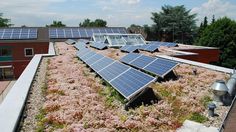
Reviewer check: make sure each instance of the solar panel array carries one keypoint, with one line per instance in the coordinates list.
(83, 32)
(98, 45)
(166, 44)
(86, 41)
(129, 48)
(70, 41)
(125, 79)
(80, 45)
(18, 33)
(150, 47)
(157, 66)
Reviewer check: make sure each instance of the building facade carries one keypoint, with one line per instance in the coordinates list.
(16, 54)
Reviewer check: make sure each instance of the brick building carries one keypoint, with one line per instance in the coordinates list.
(18, 46)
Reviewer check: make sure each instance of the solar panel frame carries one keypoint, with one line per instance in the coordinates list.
(112, 71)
(98, 45)
(94, 59)
(116, 83)
(164, 70)
(101, 64)
(158, 66)
(18, 33)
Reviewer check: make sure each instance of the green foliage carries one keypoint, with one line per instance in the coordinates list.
(4, 22)
(213, 19)
(197, 117)
(56, 24)
(97, 23)
(205, 22)
(221, 34)
(41, 120)
(205, 100)
(175, 20)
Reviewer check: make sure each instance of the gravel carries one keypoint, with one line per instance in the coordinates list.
(35, 99)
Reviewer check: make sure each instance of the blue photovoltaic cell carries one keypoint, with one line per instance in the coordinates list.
(103, 30)
(75, 33)
(94, 59)
(130, 57)
(82, 52)
(84, 41)
(87, 56)
(152, 48)
(113, 71)
(80, 45)
(123, 31)
(116, 30)
(161, 67)
(18, 33)
(131, 82)
(126, 80)
(98, 45)
(89, 32)
(157, 66)
(129, 48)
(100, 64)
(142, 61)
(96, 30)
(68, 33)
(108, 30)
(83, 34)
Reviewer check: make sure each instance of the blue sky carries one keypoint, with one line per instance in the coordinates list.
(115, 12)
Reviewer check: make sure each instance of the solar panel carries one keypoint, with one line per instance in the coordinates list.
(100, 64)
(161, 67)
(157, 66)
(131, 82)
(129, 48)
(80, 45)
(125, 79)
(86, 41)
(142, 61)
(150, 47)
(81, 32)
(94, 59)
(98, 45)
(70, 41)
(112, 71)
(130, 57)
(87, 55)
(18, 33)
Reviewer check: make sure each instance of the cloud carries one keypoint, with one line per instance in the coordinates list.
(131, 2)
(219, 8)
(42, 12)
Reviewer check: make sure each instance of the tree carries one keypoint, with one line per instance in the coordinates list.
(205, 23)
(213, 19)
(221, 34)
(4, 22)
(137, 29)
(175, 22)
(97, 23)
(56, 24)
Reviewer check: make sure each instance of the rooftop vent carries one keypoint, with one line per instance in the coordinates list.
(219, 89)
(231, 84)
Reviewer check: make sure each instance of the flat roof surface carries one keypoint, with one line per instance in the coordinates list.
(75, 90)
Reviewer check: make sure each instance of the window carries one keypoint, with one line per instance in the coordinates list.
(5, 52)
(29, 52)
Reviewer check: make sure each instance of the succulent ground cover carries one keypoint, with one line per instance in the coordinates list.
(78, 100)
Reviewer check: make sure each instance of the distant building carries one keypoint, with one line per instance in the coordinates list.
(18, 46)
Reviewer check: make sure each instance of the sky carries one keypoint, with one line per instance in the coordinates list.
(120, 13)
